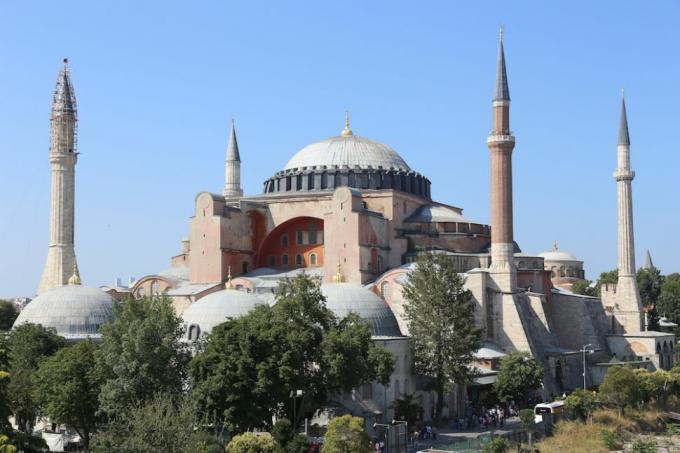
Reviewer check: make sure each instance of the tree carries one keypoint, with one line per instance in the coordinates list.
(141, 354)
(610, 277)
(581, 403)
(526, 416)
(583, 287)
(620, 387)
(407, 409)
(346, 434)
(519, 375)
(649, 283)
(440, 316)
(67, 387)
(28, 346)
(164, 423)
(248, 367)
(8, 314)
(253, 443)
(669, 298)
(497, 445)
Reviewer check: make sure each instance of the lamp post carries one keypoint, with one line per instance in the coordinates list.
(405, 423)
(387, 434)
(585, 349)
(294, 395)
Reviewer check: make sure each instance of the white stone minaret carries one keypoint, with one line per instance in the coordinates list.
(628, 308)
(232, 177)
(61, 257)
(501, 143)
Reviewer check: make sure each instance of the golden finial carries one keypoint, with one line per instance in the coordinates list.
(338, 277)
(75, 278)
(554, 245)
(229, 285)
(346, 131)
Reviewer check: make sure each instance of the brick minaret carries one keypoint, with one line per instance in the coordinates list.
(501, 142)
(628, 308)
(61, 257)
(232, 180)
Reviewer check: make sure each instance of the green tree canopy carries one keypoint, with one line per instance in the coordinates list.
(584, 288)
(253, 443)
(67, 387)
(28, 346)
(519, 376)
(141, 354)
(8, 314)
(581, 403)
(440, 315)
(669, 298)
(621, 387)
(163, 423)
(249, 366)
(346, 434)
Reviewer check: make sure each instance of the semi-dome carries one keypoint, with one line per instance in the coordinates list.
(343, 298)
(556, 254)
(347, 150)
(203, 315)
(74, 311)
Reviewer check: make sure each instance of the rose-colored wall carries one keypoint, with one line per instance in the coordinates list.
(272, 245)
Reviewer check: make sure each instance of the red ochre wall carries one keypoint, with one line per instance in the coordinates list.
(272, 245)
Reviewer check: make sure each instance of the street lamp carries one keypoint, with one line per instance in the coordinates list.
(405, 423)
(387, 433)
(583, 351)
(294, 394)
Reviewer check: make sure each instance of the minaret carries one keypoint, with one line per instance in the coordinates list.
(649, 264)
(61, 257)
(501, 142)
(232, 180)
(628, 308)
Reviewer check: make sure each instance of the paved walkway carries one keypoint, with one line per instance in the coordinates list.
(465, 439)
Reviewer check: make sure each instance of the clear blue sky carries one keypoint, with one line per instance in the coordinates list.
(157, 83)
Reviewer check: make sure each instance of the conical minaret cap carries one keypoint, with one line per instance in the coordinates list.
(64, 99)
(624, 138)
(232, 148)
(649, 264)
(501, 92)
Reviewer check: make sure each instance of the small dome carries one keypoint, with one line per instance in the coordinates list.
(215, 309)
(343, 298)
(74, 311)
(350, 150)
(556, 254)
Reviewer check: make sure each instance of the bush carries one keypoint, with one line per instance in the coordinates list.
(253, 443)
(640, 446)
(497, 445)
(580, 403)
(611, 440)
(346, 434)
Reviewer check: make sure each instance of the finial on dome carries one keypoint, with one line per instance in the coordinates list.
(346, 131)
(555, 245)
(229, 284)
(75, 278)
(338, 277)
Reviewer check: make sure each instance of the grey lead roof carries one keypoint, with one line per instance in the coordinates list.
(64, 100)
(502, 92)
(232, 148)
(624, 138)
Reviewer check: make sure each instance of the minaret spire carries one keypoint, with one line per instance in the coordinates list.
(61, 257)
(501, 143)
(628, 309)
(232, 183)
(649, 264)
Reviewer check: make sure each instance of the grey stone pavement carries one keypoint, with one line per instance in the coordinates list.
(448, 438)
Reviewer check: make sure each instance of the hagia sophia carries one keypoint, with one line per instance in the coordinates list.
(354, 213)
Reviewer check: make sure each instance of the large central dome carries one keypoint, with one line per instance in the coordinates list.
(348, 150)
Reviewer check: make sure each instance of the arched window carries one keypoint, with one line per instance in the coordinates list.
(141, 292)
(244, 267)
(272, 261)
(284, 259)
(312, 259)
(407, 387)
(406, 370)
(312, 234)
(300, 237)
(367, 391)
(298, 260)
(155, 288)
(194, 332)
(522, 265)
(397, 389)
(284, 240)
(385, 290)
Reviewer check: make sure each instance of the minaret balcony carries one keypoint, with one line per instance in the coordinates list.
(623, 174)
(499, 137)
